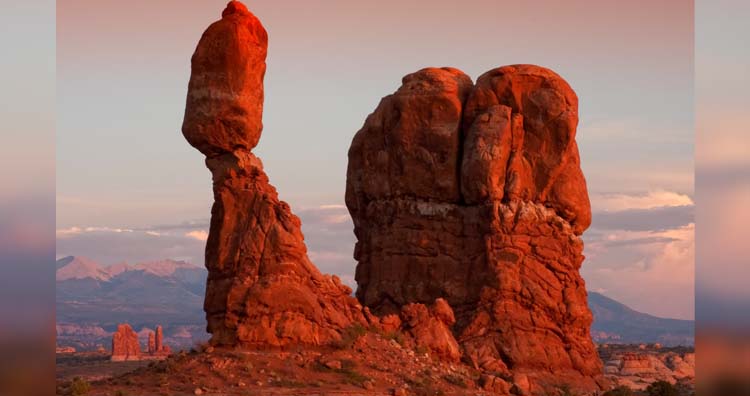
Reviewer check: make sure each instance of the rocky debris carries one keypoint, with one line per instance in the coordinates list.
(494, 384)
(333, 364)
(431, 328)
(371, 365)
(262, 289)
(474, 194)
(636, 367)
(125, 344)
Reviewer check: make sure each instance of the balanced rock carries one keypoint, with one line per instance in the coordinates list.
(474, 194)
(225, 95)
(125, 344)
(262, 289)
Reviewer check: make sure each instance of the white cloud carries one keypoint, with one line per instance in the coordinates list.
(336, 219)
(332, 206)
(651, 271)
(650, 200)
(200, 235)
(61, 233)
(640, 252)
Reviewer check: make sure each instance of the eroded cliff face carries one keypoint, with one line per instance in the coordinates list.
(262, 289)
(474, 194)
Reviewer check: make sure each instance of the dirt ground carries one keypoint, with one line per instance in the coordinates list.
(367, 364)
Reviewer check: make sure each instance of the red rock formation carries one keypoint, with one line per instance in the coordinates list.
(225, 95)
(159, 341)
(535, 157)
(262, 289)
(474, 194)
(151, 343)
(125, 344)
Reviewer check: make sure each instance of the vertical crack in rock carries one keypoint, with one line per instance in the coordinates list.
(500, 241)
(262, 289)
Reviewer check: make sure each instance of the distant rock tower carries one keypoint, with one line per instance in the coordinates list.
(125, 344)
(151, 343)
(159, 344)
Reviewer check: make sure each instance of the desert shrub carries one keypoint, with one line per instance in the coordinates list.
(350, 335)
(347, 370)
(619, 391)
(662, 388)
(287, 383)
(455, 380)
(396, 336)
(423, 385)
(79, 387)
(353, 377)
(564, 390)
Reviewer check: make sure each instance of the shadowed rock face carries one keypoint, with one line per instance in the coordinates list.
(474, 194)
(262, 289)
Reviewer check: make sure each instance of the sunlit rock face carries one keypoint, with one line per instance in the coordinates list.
(474, 193)
(224, 106)
(262, 289)
(125, 344)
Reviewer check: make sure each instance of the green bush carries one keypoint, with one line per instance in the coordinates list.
(455, 380)
(619, 391)
(79, 387)
(662, 388)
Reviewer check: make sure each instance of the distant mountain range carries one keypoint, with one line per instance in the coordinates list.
(92, 299)
(616, 323)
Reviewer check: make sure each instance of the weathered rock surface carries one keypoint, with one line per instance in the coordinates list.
(535, 113)
(417, 149)
(475, 194)
(125, 344)
(225, 95)
(262, 289)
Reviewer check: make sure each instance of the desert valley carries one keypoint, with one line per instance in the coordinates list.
(171, 293)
